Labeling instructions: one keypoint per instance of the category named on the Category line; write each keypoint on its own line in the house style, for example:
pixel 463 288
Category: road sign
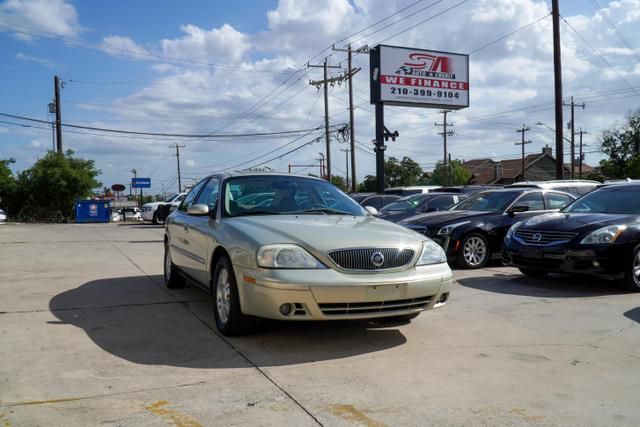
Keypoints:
pixel 140 182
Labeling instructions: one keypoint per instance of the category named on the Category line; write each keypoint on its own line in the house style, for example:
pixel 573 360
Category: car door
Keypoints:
pixel 555 200
pixel 178 232
pixel 202 232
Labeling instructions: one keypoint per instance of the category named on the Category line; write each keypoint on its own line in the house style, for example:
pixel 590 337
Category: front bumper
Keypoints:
pixel 604 261
pixel 328 294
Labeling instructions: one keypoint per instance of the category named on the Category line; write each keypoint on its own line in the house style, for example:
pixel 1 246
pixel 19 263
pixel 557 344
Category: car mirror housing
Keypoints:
pixel 198 210
pixel 517 209
pixel 373 211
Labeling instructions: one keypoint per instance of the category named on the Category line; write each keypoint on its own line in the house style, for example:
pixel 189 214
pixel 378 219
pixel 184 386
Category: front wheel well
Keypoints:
pixel 218 253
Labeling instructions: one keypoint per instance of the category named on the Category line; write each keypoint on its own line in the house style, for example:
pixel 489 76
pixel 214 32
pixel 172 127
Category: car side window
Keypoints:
pixel 441 203
pixel 557 200
pixel 190 198
pixel 533 200
pixel 373 201
pixel 387 200
pixel 209 195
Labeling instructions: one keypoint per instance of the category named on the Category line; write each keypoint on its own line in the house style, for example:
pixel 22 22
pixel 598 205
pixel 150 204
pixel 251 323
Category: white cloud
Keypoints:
pixel 123 46
pixel 36 143
pixel 190 163
pixel 56 17
pixel 38 60
pixel 225 43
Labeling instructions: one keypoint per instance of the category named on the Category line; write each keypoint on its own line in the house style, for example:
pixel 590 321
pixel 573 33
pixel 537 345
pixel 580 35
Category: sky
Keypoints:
pixel 233 68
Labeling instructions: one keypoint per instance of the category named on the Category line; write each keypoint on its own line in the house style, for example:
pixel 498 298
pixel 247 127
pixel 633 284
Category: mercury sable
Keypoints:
pixel 290 247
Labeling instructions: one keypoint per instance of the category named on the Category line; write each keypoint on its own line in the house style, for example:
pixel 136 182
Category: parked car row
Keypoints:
pixel 296 248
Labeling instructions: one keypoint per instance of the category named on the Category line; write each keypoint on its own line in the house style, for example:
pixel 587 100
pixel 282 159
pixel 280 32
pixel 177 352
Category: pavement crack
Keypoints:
pixel 614 334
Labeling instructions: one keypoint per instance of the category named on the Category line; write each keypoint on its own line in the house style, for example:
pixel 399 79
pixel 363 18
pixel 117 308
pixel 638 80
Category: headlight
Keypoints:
pixel 432 253
pixel 286 256
pixel 448 229
pixel 604 235
pixel 512 229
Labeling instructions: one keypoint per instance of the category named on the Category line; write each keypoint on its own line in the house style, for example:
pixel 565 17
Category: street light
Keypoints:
pixel 552 130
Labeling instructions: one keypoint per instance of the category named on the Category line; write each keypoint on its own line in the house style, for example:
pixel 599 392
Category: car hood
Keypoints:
pixel 577 222
pixel 325 232
pixel 433 219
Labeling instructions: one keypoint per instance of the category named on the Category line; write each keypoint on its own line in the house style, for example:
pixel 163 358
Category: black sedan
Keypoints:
pixel 472 231
pixel 597 235
pixel 419 203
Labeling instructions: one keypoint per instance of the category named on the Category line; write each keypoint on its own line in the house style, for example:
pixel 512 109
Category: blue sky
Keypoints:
pixel 252 46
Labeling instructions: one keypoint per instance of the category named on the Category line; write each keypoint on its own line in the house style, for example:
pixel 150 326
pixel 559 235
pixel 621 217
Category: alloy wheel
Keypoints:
pixel 636 268
pixel 223 295
pixel 474 251
pixel 167 265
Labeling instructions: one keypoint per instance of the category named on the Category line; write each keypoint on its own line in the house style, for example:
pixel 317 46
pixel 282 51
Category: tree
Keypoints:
pixel 459 174
pixel 339 182
pixel 49 188
pixel 622 147
pixel 7 183
pixel 402 173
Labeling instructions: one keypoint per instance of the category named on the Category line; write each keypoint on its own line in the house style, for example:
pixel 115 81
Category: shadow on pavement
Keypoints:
pixel 132 318
pixel 552 286
pixel 633 314
pixel 140 225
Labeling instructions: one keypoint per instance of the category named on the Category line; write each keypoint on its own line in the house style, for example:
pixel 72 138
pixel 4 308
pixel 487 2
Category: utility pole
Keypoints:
pixel 56 91
pixel 346 151
pixel 581 132
pixel 352 138
pixel 178 147
pixel 135 175
pixel 573 133
pixel 444 134
pixel 557 74
pixel 325 81
pixel 321 160
pixel 523 143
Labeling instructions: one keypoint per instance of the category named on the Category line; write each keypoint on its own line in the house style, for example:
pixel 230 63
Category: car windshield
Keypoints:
pixel 489 201
pixel 281 195
pixel 403 204
pixel 609 200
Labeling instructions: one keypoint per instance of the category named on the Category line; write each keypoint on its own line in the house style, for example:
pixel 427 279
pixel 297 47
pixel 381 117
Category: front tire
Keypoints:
pixel 155 221
pixel 474 251
pixel 172 277
pixel 226 303
pixel 632 278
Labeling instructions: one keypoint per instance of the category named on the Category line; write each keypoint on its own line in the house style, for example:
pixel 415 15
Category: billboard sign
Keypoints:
pixel 419 78
pixel 140 182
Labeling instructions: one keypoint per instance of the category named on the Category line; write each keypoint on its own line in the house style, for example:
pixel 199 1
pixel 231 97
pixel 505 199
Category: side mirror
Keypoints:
pixel 373 211
pixel 198 210
pixel 517 209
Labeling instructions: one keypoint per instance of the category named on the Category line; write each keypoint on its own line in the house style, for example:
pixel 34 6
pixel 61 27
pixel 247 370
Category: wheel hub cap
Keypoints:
pixel 475 251
pixel 223 296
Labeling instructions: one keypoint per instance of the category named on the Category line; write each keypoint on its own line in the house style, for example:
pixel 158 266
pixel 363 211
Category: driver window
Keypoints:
pixel 533 200
pixel 190 198
pixel 209 195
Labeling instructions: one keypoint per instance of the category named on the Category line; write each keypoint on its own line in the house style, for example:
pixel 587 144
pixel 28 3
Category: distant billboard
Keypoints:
pixel 140 182
pixel 419 78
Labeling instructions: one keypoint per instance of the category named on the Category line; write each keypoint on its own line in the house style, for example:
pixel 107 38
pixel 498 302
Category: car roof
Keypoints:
pixel 633 184
pixel 258 173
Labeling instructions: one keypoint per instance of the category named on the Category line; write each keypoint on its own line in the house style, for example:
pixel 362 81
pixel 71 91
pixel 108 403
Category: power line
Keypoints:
pixel 484 46
pixel 615 29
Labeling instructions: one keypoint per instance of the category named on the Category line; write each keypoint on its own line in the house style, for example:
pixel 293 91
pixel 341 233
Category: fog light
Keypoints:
pixel 596 264
pixel 444 297
pixel 285 309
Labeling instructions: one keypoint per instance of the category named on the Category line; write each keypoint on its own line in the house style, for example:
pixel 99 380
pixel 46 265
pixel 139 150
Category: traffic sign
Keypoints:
pixel 140 182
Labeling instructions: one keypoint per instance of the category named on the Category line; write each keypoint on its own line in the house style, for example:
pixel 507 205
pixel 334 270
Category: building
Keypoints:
pixel 538 167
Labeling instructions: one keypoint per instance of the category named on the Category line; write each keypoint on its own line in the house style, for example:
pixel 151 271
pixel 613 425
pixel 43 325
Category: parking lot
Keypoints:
pixel 89 335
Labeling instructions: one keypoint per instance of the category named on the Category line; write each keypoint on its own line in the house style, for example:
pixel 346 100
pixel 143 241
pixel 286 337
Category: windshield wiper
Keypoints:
pixel 325 211
pixel 260 212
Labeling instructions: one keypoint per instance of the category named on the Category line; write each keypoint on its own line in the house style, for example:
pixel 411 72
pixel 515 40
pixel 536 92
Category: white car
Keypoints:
pixel 150 210
pixel 3 216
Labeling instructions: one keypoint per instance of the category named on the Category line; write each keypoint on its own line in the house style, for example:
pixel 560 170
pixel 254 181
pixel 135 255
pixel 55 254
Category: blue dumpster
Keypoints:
pixel 93 211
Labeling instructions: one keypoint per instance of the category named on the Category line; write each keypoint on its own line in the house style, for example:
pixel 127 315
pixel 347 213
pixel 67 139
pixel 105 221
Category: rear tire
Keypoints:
pixel 226 303
pixel 532 272
pixel 172 277
pixel 474 251
pixel 632 278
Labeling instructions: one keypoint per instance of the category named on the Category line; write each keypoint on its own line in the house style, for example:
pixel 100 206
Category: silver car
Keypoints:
pixel 300 249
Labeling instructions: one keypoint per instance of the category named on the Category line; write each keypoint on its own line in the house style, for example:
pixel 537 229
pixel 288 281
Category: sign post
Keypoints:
pixel 408 77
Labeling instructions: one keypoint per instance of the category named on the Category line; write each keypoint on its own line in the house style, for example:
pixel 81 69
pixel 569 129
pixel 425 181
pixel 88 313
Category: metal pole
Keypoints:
pixel 581 153
pixel 56 90
pixel 179 177
pixel 573 141
pixel 379 148
pixel 326 121
pixel 352 136
pixel 557 68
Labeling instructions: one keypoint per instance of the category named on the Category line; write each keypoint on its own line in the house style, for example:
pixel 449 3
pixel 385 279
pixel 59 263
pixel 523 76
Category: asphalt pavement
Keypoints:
pixel 89 335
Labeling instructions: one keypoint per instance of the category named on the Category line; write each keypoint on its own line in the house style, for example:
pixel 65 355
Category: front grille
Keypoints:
pixel 336 309
pixel 534 237
pixel 360 259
